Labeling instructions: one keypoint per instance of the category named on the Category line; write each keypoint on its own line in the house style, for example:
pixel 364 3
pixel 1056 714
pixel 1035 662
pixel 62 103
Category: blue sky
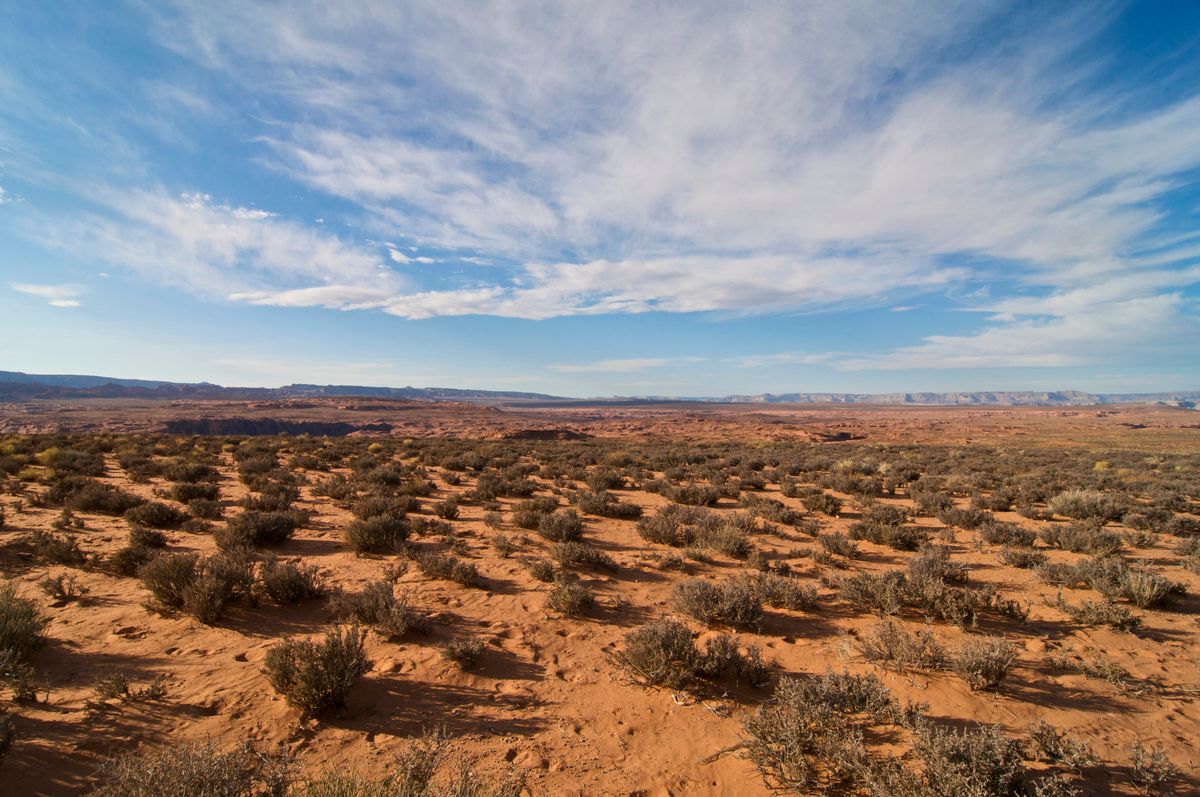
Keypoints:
pixel 604 198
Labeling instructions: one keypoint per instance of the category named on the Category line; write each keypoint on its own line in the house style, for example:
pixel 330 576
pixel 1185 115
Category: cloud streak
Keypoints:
pixel 65 295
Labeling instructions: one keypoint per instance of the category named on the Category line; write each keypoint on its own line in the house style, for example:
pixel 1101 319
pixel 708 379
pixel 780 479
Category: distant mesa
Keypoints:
pixel 17 386
pixel 546 434
pixel 268 426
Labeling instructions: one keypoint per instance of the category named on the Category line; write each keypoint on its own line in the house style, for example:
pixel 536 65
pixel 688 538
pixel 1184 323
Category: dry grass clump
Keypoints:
pixel 379 607
pixel 733 603
pixel 1055 746
pixel 316 677
pixel 541 569
pixel 1088 505
pixel 1022 558
pixel 605 504
pixel 998 532
pixel 663 653
pixel 379 534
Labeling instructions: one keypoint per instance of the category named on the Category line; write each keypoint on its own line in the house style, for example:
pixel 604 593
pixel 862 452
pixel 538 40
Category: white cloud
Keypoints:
pixel 220 250
pixel 623 366
pixel 781 358
pixel 3 195
pixel 62 295
pixel 779 157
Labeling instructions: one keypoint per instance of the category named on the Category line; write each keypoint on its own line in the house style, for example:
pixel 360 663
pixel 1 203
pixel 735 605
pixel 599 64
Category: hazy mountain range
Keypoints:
pixel 17 386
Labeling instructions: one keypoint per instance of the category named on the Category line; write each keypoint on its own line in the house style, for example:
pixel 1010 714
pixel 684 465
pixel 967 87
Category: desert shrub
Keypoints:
pixel 201 587
pixel 1145 589
pixel 822 502
pixel 980 761
pixel 89 495
pixel 808 736
pixel 376 534
pixel 890 645
pixel 529 513
pixel 838 544
pixel 254 529
pixel 378 606
pixel 1152 771
pixel 463 652
pixel 127 560
pixel 998 532
pixel 289 582
pixel 316 677
pixel 661 653
pixel 186 493
pixel 60 549
pixel 561 526
pixel 1054 746
pixel 62 588
pixel 450 568
pixel 723 659
pixel 493 519
pixel 785 593
pixel 142 537
pixel 900 538
pixel 448 509
pixel 570 598
pixel 206 510
pixel 504 545
pixel 167 577
pixel 386 506
pixel 1088 505
pixel 541 569
pixel 189 769
pixel 985 662
pixel 6 733
pixel 964 518
pixel 733 602
pixel 155 515
pixel 1023 558
pixel 22 623
pixel 605 504
pixel 881 593
pixel 603 479
pixel 1104 612
pixel 884 515
pixel 1089 538
pixel 579 554
pixel 695 494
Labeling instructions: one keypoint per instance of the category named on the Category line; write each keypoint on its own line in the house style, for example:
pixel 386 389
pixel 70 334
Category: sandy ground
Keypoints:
pixel 546 698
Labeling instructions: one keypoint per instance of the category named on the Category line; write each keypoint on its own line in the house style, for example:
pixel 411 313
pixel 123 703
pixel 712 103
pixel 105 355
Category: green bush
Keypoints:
pixel 316 677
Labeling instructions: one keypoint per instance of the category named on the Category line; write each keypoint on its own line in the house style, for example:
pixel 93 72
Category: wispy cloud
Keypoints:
pixel 687 147
pixel 220 250
pixel 624 366
pixel 782 358
pixel 66 295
